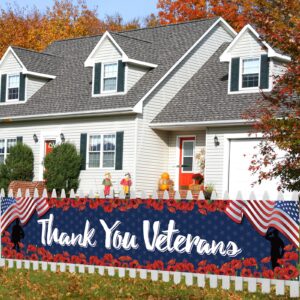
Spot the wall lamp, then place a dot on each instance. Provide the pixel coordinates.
(216, 141)
(35, 138)
(62, 137)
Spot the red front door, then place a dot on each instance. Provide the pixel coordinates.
(186, 161)
(49, 145)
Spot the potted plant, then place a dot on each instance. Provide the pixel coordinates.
(197, 178)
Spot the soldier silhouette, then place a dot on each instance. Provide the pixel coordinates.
(277, 246)
(16, 235)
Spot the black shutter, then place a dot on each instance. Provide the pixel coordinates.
(235, 74)
(3, 88)
(264, 72)
(119, 150)
(22, 87)
(19, 139)
(97, 78)
(121, 76)
(83, 144)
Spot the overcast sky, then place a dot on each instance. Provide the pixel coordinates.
(129, 9)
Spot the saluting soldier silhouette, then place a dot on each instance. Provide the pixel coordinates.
(277, 246)
(17, 235)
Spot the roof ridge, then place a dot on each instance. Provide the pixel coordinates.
(137, 29)
(131, 37)
(34, 51)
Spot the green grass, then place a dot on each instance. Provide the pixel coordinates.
(29, 284)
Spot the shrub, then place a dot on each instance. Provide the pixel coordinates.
(62, 168)
(18, 165)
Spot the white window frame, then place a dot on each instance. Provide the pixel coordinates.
(102, 77)
(255, 88)
(101, 151)
(6, 147)
(7, 87)
(194, 144)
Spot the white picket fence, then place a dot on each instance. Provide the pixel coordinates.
(253, 285)
(143, 195)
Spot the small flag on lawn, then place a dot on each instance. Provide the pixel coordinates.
(282, 215)
(21, 208)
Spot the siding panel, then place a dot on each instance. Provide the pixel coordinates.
(33, 84)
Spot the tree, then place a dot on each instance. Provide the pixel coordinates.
(62, 168)
(18, 165)
(277, 114)
(174, 11)
(29, 28)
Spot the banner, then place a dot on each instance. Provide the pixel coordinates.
(212, 237)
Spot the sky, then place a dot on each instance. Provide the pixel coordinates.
(129, 9)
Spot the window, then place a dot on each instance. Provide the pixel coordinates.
(102, 150)
(5, 146)
(110, 73)
(188, 156)
(13, 87)
(250, 72)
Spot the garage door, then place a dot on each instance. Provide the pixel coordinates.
(240, 178)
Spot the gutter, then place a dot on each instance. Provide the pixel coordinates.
(89, 113)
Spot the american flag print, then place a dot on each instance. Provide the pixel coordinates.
(21, 208)
(282, 215)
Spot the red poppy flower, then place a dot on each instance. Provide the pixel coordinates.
(5, 240)
(290, 256)
(115, 263)
(125, 258)
(236, 264)
(256, 274)
(31, 248)
(288, 247)
(6, 233)
(281, 261)
(108, 208)
(201, 270)
(250, 262)
(108, 257)
(202, 263)
(134, 264)
(172, 262)
(268, 274)
(34, 256)
(266, 260)
(290, 272)
(246, 273)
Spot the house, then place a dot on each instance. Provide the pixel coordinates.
(142, 101)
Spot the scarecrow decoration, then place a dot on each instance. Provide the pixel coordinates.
(126, 184)
(107, 183)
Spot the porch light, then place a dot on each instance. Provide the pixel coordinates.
(216, 141)
(62, 137)
(35, 138)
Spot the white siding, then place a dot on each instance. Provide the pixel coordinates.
(247, 45)
(152, 151)
(33, 84)
(90, 178)
(217, 156)
(10, 65)
(173, 170)
(278, 68)
(134, 74)
(107, 52)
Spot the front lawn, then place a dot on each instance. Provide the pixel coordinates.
(24, 284)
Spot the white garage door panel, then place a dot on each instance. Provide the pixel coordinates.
(240, 178)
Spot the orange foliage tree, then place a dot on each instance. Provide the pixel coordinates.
(29, 28)
(173, 11)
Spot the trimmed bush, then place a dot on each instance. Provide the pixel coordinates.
(18, 165)
(62, 168)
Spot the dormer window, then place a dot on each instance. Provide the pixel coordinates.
(13, 87)
(110, 75)
(250, 72)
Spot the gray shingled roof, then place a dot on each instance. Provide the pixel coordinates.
(37, 61)
(71, 90)
(205, 97)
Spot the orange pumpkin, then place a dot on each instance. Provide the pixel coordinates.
(164, 187)
(165, 175)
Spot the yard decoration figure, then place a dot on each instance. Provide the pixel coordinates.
(126, 184)
(165, 183)
(107, 183)
(277, 246)
(17, 235)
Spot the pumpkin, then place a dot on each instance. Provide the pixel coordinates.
(164, 187)
(165, 175)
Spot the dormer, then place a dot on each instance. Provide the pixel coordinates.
(117, 62)
(251, 63)
(23, 72)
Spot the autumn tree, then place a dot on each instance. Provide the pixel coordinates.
(277, 114)
(174, 11)
(29, 28)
